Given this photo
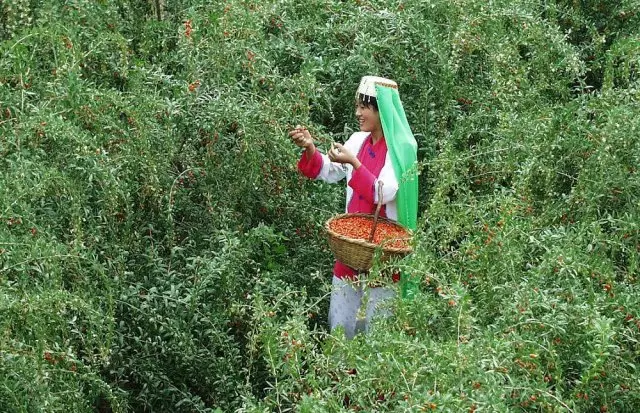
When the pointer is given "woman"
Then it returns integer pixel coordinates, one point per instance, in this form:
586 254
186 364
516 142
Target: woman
383 151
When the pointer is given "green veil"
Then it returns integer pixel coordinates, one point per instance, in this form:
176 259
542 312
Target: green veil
403 151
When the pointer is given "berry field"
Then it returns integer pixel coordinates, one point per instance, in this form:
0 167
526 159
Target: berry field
160 252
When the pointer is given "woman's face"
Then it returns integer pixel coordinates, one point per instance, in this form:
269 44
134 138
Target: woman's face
368 117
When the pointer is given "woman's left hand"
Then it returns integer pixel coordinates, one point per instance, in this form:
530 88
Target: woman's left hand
338 153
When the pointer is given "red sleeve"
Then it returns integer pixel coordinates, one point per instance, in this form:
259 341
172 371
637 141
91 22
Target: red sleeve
363 183
310 167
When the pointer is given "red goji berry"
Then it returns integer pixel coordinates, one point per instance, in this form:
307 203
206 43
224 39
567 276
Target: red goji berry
359 227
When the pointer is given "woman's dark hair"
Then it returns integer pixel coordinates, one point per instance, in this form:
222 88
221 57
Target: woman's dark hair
368 101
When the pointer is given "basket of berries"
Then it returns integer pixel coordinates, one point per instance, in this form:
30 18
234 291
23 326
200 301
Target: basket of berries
354 238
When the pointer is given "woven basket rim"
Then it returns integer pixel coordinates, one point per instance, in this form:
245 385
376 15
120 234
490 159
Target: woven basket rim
364 243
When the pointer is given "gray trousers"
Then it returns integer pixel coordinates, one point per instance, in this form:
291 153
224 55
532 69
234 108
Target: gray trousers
353 305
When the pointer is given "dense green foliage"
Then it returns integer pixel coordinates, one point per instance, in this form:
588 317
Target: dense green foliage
160 252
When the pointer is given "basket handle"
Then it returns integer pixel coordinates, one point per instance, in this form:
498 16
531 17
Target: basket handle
375 216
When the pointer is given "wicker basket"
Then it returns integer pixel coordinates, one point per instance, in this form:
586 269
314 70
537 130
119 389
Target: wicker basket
358 253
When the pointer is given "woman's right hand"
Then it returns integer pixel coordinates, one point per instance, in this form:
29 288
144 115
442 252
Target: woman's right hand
301 137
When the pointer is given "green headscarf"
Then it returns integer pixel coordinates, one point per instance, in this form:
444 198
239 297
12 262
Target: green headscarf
403 150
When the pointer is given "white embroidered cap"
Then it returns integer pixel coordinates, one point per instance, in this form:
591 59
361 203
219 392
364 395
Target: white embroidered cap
368 85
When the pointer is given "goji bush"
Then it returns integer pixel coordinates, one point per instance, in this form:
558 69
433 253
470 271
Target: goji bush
159 250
